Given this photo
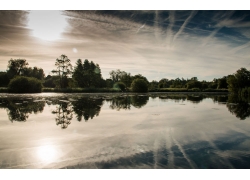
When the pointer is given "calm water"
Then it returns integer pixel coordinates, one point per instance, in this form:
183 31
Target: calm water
51 130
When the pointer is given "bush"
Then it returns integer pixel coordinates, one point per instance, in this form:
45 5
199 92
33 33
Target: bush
120 85
22 84
139 85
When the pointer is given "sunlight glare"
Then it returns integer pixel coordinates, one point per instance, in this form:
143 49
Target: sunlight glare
46 153
47 25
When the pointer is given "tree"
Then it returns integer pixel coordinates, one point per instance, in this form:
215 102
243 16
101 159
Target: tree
34 72
139 76
4 80
139 85
163 83
239 80
194 84
222 83
22 84
63 70
16 67
153 84
87 74
120 85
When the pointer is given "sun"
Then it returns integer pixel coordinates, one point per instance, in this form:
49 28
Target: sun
47 25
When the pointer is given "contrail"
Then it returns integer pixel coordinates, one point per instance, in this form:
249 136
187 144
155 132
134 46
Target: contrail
191 163
169 29
171 153
156 25
193 13
212 144
141 27
241 47
216 30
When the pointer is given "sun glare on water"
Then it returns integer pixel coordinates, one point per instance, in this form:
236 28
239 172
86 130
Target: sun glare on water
47 25
46 153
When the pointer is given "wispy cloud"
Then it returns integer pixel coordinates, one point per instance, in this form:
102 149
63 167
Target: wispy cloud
169 32
226 16
193 13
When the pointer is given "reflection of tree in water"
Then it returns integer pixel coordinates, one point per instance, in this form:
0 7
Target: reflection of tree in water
125 102
87 107
139 101
64 114
19 110
195 99
176 98
220 98
181 98
238 106
120 103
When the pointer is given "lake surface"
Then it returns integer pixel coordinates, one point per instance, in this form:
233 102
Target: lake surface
161 131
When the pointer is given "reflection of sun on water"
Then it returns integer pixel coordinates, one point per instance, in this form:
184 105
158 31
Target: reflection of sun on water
47 25
47 153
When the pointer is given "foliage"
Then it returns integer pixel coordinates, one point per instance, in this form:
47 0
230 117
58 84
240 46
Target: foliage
63 70
121 76
87 74
194 84
16 67
51 81
34 72
139 76
120 85
22 84
139 85
4 79
222 83
238 81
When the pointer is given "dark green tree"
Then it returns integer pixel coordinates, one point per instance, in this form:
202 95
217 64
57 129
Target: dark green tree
239 80
87 74
120 85
139 85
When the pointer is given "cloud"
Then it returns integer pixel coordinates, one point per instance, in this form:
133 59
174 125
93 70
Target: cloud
193 13
169 32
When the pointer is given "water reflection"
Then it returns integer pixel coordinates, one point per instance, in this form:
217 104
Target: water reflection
20 109
46 153
171 139
125 102
238 106
86 107
64 113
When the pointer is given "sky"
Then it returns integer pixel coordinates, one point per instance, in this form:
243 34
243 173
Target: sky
155 43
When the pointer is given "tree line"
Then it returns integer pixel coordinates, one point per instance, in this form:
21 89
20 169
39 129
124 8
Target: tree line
19 77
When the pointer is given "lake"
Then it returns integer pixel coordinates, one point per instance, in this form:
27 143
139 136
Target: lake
155 131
